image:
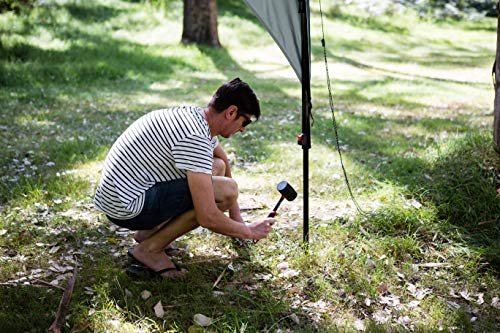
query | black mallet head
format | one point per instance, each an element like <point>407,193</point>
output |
<point>287,192</point>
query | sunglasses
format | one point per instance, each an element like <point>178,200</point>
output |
<point>248,120</point>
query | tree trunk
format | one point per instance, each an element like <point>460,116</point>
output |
<point>496,73</point>
<point>200,22</point>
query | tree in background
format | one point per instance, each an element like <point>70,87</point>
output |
<point>200,22</point>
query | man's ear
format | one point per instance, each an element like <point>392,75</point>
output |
<point>231,112</point>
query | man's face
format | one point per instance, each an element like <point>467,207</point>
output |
<point>238,124</point>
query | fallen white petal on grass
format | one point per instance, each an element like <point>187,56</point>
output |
<point>3,232</point>
<point>202,320</point>
<point>159,312</point>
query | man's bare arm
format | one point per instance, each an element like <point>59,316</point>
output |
<point>209,216</point>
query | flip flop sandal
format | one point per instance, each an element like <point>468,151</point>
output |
<point>146,272</point>
<point>168,252</point>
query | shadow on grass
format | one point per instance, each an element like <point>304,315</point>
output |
<point>94,13</point>
<point>395,75</point>
<point>239,298</point>
<point>370,22</point>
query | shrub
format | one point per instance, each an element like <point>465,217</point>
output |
<point>15,5</point>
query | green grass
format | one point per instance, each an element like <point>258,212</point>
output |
<point>414,111</point>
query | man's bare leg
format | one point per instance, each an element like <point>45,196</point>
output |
<point>151,251</point>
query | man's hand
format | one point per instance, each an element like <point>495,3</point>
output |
<point>260,229</point>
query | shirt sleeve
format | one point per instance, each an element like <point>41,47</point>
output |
<point>215,142</point>
<point>194,153</point>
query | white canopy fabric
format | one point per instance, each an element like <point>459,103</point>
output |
<point>282,19</point>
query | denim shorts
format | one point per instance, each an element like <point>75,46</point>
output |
<point>162,202</point>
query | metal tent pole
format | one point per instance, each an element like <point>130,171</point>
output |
<point>305,137</point>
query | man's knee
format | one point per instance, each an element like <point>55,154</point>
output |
<point>227,195</point>
<point>218,167</point>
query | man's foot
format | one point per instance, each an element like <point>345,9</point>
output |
<point>159,263</point>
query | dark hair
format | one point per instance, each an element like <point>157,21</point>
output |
<point>238,93</point>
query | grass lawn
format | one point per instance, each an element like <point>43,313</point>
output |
<point>413,104</point>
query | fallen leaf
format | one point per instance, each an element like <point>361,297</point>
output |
<point>295,319</point>
<point>202,320</point>
<point>359,325</point>
<point>370,263</point>
<point>289,273</point>
<point>390,300</point>
<point>382,288</point>
<point>112,240</point>
<point>54,249</point>
<point>421,293</point>
<point>413,304</point>
<point>145,294</point>
<point>433,264</point>
<point>453,305</point>
<point>465,294</point>
<point>380,317</point>
<point>495,302</point>
<point>411,288</point>
<point>480,299</point>
<point>415,204</point>
<point>282,266</point>
<point>159,312</point>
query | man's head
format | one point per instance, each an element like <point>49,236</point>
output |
<point>239,94</point>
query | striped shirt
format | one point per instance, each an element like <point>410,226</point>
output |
<point>158,147</point>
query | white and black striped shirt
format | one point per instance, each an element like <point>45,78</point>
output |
<point>160,146</point>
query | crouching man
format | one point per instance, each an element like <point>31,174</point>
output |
<point>167,174</point>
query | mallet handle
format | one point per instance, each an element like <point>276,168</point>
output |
<point>275,209</point>
<point>272,214</point>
